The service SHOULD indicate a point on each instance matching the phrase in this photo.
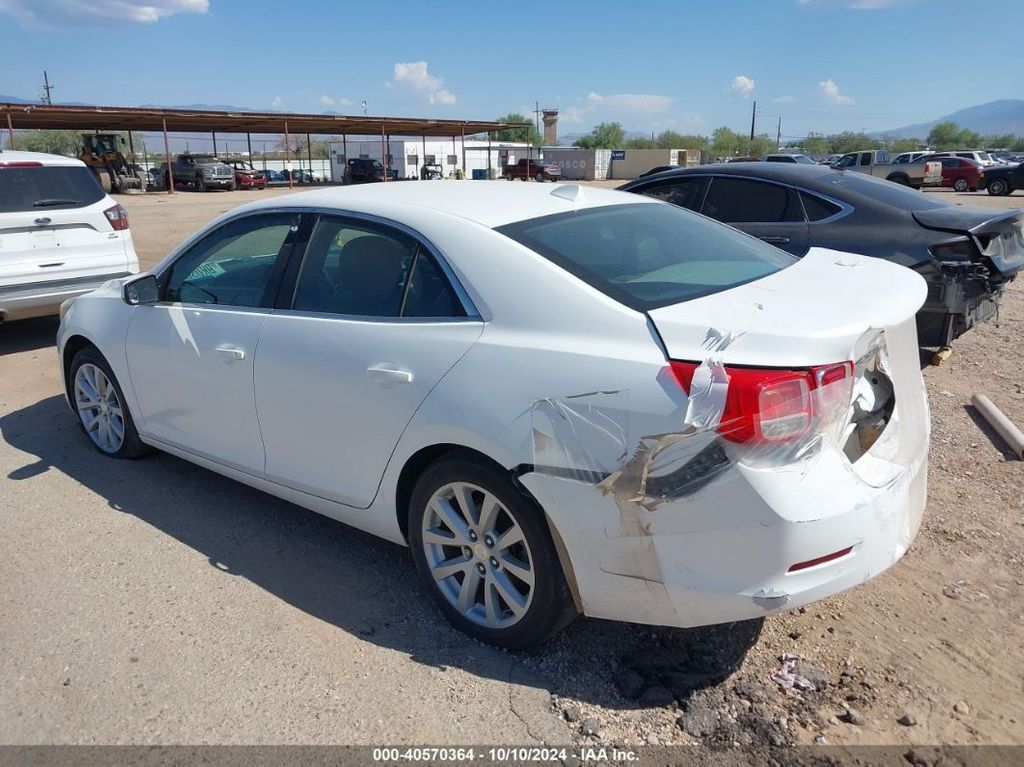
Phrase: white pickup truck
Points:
(877, 162)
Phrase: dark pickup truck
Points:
(363, 170)
(536, 169)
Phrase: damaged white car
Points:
(563, 400)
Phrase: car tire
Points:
(899, 179)
(508, 176)
(539, 178)
(499, 605)
(198, 184)
(232, 186)
(961, 185)
(108, 424)
(997, 187)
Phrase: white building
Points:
(408, 155)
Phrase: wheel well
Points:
(414, 468)
(73, 346)
(898, 177)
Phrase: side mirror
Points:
(143, 290)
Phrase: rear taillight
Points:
(771, 405)
(118, 217)
(20, 164)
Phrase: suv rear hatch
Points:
(54, 226)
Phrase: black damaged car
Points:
(967, 255)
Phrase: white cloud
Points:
(80, 13)
(742, 85)
(276, 102)
(783, 100)
(345, 102)
(326, 101)
(414, 74)
(830, 92)
(859, 5)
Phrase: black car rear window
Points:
(47, 187)
(649, 255)
(886, 192)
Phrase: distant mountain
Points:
(991, 119)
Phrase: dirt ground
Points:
(156, 602)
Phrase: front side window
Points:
(233, 265)
(361, 269)
(647, 255)
(741, 200)
(847, 161)
(684, 192)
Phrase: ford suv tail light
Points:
(766, 405)
(118, 217)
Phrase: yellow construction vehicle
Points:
(102, 153)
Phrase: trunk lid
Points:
(998, 235)
(814, 312)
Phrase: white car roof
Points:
(490, 203)
(8, 156)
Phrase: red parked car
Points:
(246, 176)
(958, 172)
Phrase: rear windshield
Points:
(649, 255)
(47, 188)
(880, 190)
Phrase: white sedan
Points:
(564, 400)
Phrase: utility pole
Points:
(753, 118)
(47, 87)
(778, 135)
(536, 118)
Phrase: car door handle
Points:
(389, 373)
(42, 221)
(232, 352)
(775, 240)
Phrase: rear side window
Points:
(817, 208)
(50, 187)
(361, 269)
(645, 255)
(882, 191)
(741, 200)
(684, 192)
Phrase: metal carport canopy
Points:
(88, 118)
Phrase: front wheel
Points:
(539, 178)
(199, 184)
(484, 552)
(508, 176)
(100, 404)
(961, 185)
(997, 187)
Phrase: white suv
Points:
(60, 234)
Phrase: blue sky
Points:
(821, 65)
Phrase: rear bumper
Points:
(725, 554)
(42, 299)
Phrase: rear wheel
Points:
(899, 178)
(484, 552)
(997, 187)
(539, 178)
(100, 404)
(961, 185)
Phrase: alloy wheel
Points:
(99, 408)
(478, 555)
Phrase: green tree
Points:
(530, 134)
(669, 139)
(63, 142)
(603, 136)
(851, 141)
(949, 135)
(640, 143)
(815, 144)
(898, 145)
